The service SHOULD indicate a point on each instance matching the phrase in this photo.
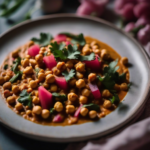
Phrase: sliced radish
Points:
(58, 118)
(45, 97)
(67, 43)
(61, 82)
(33, 50)
(93, 64)
(95, 91)
(77, 113)
(60, 38)
(50, 61)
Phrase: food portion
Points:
(68, 79)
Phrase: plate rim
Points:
(92, 19)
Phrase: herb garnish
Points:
(16, 63)
(52, 110)
(69, 75)
(15, 77)
(56, 46)
(87, 58)
(37, 70)
(5, 66)
(25, 98)
(76, 38)
(63, 97)
(92, 106)
(44, 39)
(114, 99)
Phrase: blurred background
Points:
(133, 16)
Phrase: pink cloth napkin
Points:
(131, 137)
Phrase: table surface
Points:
(8, 139)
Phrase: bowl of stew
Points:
(63, 85)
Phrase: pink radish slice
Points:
(76, 114)
(95, 91)
(45, 97)
(93, 64)
(61, 82)
(33, 50)
(58, 118)
(60, 38)
(50, 61)
(67, 43)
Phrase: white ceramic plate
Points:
(105, 32)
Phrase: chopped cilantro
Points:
(25, 98)
(15, 77)
(52, 110)
(56, 46)
(37, 70)
(5, 66)
(68, 75)
(16, 63)
(92, 106)
(115, 99)
(44, 39)
(76, 38)
(63, 97)
(88, 57)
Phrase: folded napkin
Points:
(132, 137)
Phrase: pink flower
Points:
(92, 7)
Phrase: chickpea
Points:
(29, 90)
(15, 89)
(80, 67)
(18, 106)
(28, 112)
(23, 86)
(92, 77)
(28, 56)
(45, 113)
(28, 70)
(7, 85)
(53, 88)
(70, 109)
(93, 43)
(2, 80)
(106, 94)
(92, 114)
(37, 110)
(86, 92)
(124, 60)
(41, 77)
(80, 83)
(43, 49)
(58, 106)
(86, 50)
(83, 99)
(107, 104)
(72, 120)
(72, 97)
(61, 66)
(104, 54)
(79, 75)
(35, 100)
(84, 111)
(32, 62)
(7, 78)
(33, 84)
(69, 64)
(7, 93)
(30, 43)
(72, 82)
(48, 72)
(96, 51)
(39, 58)
(15, 53)
(50, 78)
(124, 87)
(117, 87)
(95, 47)
(11, 99)
(45, 85)
(56, 71)
(25, 62)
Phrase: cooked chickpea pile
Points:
(78, 93)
